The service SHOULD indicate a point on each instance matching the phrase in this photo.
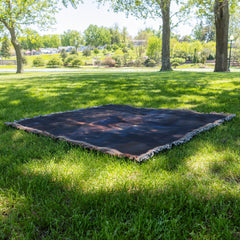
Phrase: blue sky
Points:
(89, 13)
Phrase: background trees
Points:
(72, 38)
(145, 8)
(97, 36)
(5, 49)
(15, 15)
(220, 11)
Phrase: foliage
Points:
(76, 62)
(17, 15)
(72, 38)
(68, 60)
(234, 25)
(115, 35)
(24, 60)
(175, 64)
(154, 48)
(205, 33)
(96, 50)
(97, 62)
(119, 60)
(125, 50)
(109, 62)
(178, 60)
(138, 62)
(115, 47)
(54, 62)
(105, 51)
(139, 51)
(30, 40)
(74, 51)
(109, 47)
(51, 41)
(86, 52)
(5, 49)
(118, 52)
(97, 36)
(150, 62)
(145, 35)
(73, 61)
(38, 62)
(63, 54)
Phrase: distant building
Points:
(137, 43)
(48, 50)
(67, 48)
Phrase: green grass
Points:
(53, 190)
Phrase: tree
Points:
(51, 41)
(144, 35)
(15, 15)
(205, 32)
(124, 35)
(72, 38)
(97, 36)
(115, 35)
(31, 41)
(5, 49)
(154, 48)
(234, 25)
(221, 10)
(144, 9)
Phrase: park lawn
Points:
(52, 190)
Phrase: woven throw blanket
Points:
(122, 130)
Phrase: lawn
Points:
(52, 190)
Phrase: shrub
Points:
(119, 60)
(86, 52)
(109, 48)
(24, 60)
(63, 54)
(178, 60)
(97, 62)
(115, 46)
(74, 51)
(118, 52)
(150, 62)
(54, 62)
(109, 61)
(126, 59)
(125, 50)
(68, 60)
(38, 62)
(175, 64)
(138, 62)
(105, 52)
(76, 62)
(96, 50)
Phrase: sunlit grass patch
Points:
(52, 190)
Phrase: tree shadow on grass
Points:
(39, 95)
(105, 197)
(43, 205)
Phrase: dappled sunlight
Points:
(51, 187)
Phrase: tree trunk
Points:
(165, 8)
(221, 12)
(17, 48)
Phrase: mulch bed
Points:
(122, 130)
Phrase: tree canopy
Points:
(17, 15)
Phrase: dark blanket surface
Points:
(137, 133)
